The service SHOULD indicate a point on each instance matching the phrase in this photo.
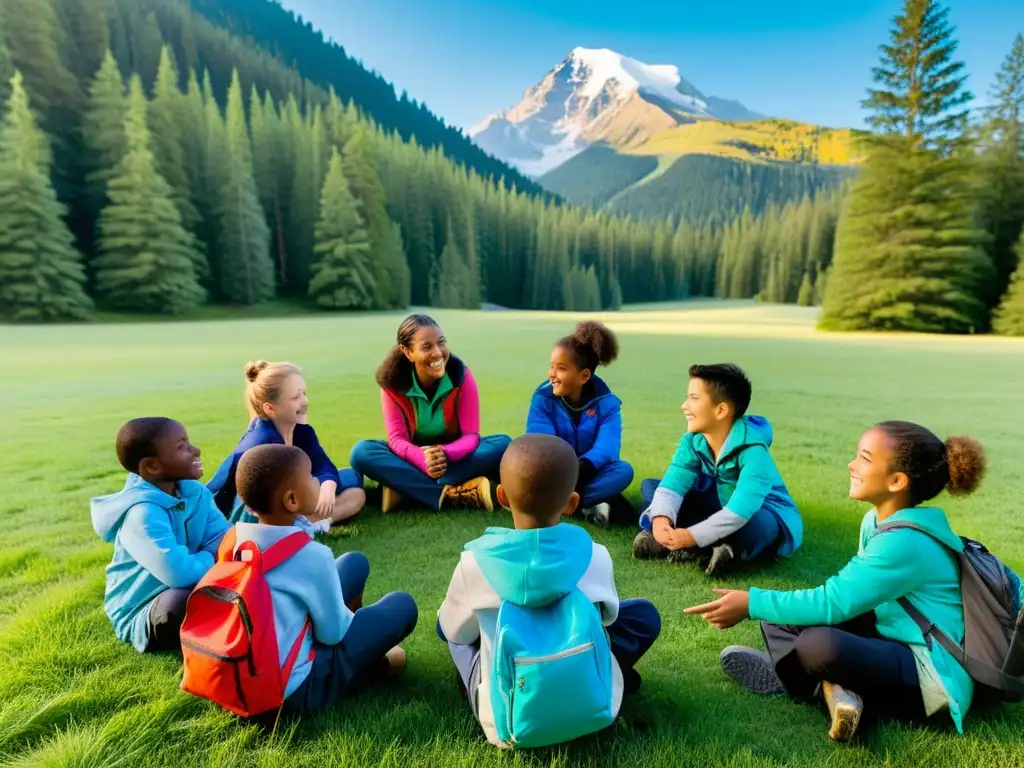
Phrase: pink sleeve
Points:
(469, 421)
(398, 433)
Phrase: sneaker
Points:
(845, 707)
(646, 547)
(683, 555)
(472, 494)
(323, 526)
(599, 514)
(389, 499)
(721, 556)
(751, 668)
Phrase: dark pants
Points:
(761, 535)
(374, 631)
(166, 613)
(378, 462)
(631, 635)
(607, 483)
(852, 654)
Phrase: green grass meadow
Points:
(71, 695)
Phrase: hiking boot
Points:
(721, 556)
(845, 707)
(599, 514)
(646, 547)
(389, 499)
(751, 668)
(472, 494)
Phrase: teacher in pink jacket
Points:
(434, 453)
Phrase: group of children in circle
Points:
(543, 581)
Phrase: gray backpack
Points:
(993, 649)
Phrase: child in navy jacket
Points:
(577, 406)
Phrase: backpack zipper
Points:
(527, 660)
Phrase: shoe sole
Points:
(720, 558)
(845, 716)
(753, 672)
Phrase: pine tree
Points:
(1000, 174)
(907, 255)
(214, 173)
(1009, 319)
(342, 276)
(806, 296)
(41, 274)
(103, 130)
(6, 72)
(146, 258)
(246, 269)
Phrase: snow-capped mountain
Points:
(596, 95)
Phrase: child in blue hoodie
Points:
(278, 405)
(849, 640)
(577, 406)
(534, 564)
(165, 530)
(349, 642)
(722, 496)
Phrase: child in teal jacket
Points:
(849, 638)
(722, 497)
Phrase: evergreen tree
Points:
(806, 296)
(342, 276)
(6, 71)
(907, 256)
(1000, 177)
(452, 287)
(246, 269)
(41, 274)
(215, 167)
(146, 258)
(1009, 319)
(103, 131)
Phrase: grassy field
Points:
(70, 695)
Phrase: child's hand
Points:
(727, 611)
(669, 537)
(437, 461)
(325, 502)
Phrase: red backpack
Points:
(228, 639)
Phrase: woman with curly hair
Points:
(849, 640)
(434, 453)
(577, 406)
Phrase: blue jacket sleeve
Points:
(323, 468)
(216, 524)
(327, 606)
(609, 439)
(888, 568)
(538, 420)
(148, 537)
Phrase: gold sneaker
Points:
(845, 707)
(472, 494)
(389, 499)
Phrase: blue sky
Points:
(801, 59)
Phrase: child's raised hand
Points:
(727, 611)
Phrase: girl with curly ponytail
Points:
(577, 406)
(850, 638)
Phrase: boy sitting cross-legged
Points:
(722, 497)
(542, 645)
(349, 642)
(165, 529)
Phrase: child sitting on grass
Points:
(278, 405)
(350, 642)
(722, 497)
(576, 405)
(849, 640)
(534, 565)
(165, 530)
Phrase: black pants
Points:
(852, 654)
(166, 613)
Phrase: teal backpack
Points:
(552, 672)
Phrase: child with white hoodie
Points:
(533, 565)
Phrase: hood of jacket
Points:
(533, 567)
(108, 512)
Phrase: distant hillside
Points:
(299, 45)
(708, 171)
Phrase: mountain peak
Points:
(595, 95)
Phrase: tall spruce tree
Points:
(246, 269)
(41, 274)
(103, 131)
(1009, 319)
(1000, 177)
(6, 71)
(342, 275)
(907, 255)
(146, 260)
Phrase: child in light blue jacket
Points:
(849, 639)
(348, 641)
(165, 529)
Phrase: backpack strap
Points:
(979, 670)
(226, 549)
(284, 549)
